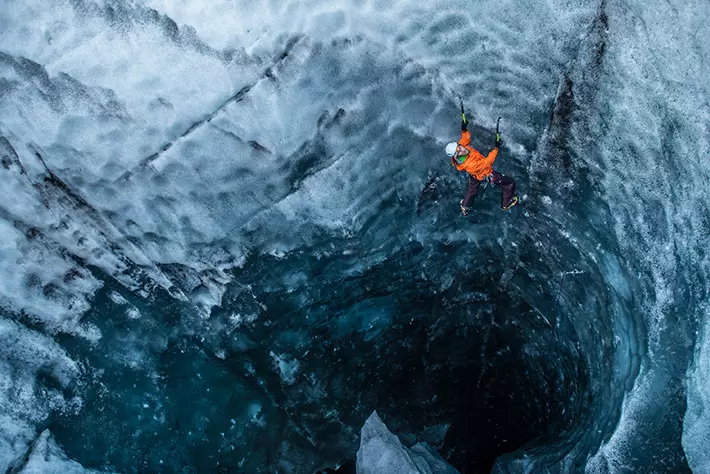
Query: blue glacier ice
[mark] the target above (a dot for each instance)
(229, 233)
(381, 452)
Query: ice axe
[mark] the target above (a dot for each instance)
(463, 115)
(463, 119)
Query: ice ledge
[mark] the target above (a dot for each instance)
(381, 452)
(46, 457)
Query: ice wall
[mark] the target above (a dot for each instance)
(135, 114)
(383, 453)
(156, 148)
(47, 458)
(37, 380)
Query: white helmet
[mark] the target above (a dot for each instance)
(451, 148)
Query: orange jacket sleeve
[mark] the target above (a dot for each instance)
(465, 138)
(491, 156)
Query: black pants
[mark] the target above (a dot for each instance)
(506, 185)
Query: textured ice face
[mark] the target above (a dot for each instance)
(381, 452)
(37, 379)
(190, 144)
(249, 201)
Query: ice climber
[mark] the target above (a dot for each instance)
(466, 158)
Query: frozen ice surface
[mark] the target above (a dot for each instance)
(36, 378)
(381, 452)
(136, 109)
(696, 423)
(48, 458)
(194, 197)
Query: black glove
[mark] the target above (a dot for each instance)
(499, 142)
(464, 126)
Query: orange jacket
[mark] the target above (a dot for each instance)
(475, 163)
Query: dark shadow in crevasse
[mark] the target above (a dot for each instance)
(446, 348)
(508, 386)
(484, 363)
